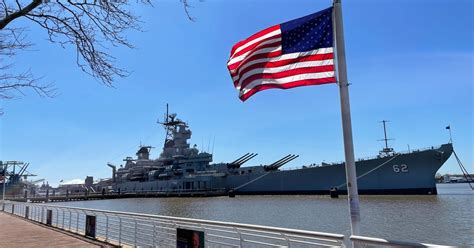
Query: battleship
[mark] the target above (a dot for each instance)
(13, 179)
(181, 168)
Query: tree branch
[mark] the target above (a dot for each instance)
(91, 27)
(21, 12)
(11, 86)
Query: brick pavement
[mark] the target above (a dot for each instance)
(15, 232)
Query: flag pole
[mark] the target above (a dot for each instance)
(450, 137)
(351, 178)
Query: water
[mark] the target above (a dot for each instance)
(447, 218)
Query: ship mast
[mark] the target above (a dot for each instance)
(385, 133)
(168, 135)
(386, 149)
(170, 124)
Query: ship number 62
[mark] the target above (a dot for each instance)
(400, 168)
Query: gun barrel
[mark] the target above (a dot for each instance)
(241, 161)
(287, 161)
(240, 158)
(282, 162)
(253, 155)
(278, 161)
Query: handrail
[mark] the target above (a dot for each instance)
(137, 229)
(390, 243)
(207, 222)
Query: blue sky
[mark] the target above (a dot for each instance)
(410, 62)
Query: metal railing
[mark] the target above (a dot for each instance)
(144, 230)
(362, 241)
(150, 193)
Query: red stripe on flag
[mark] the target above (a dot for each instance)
(256, 44)
(253, 57)
(255, 36)
(306, 82)
(283, 62)
(287, 73)
(274, 45)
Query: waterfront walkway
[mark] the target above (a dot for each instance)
(15, 232)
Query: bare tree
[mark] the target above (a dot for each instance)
(88, 25)
(12, 84)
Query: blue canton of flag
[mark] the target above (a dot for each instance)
(307, 33)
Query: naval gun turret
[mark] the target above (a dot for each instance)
(241, 160)
(279, 163)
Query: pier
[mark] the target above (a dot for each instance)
(117, 195)
(16, 232)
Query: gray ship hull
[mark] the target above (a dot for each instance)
(399, 173)
(411, 173)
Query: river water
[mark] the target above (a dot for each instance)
(446, 219)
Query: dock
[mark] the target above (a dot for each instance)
(117, 195)
(18, 232)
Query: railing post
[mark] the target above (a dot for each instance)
(106, 228)
(287, 239)
(77, 222)
(241, 240)
(27, 212)
(13, 208)
(154, 233)
(70, 220)
(135, 235)
(120, 231)
(63, 219)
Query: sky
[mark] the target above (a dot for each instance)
(409, 62)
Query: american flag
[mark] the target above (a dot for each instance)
(291, 54)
